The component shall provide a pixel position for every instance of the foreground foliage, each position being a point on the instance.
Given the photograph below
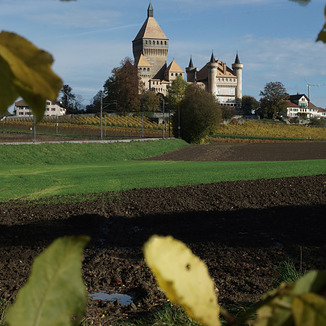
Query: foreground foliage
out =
(54, 293)
(184, 279)
(26, 71)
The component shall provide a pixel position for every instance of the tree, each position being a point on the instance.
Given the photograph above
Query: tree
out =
(273, 102)
(249, 104)
(124, 87)
(200, 115)
(95, 106)
(150, 101)
(68, 99)
(227, 112)
(176, 92)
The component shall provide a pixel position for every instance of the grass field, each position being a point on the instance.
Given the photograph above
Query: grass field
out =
(37, 171)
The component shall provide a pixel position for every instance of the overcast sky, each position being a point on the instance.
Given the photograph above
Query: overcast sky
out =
(88, 38)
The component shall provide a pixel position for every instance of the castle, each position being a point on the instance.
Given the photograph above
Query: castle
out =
(150, 50)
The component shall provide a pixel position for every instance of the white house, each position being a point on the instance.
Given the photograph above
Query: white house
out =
(22, 109)
(299, 104)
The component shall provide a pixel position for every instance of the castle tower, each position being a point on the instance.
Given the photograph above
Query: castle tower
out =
(237, 68)
(153, 44)
(212, 73)
(191, 72)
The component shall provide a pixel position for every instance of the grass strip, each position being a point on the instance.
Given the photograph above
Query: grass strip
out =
(167, 315)
(39, 181)
(86, 153)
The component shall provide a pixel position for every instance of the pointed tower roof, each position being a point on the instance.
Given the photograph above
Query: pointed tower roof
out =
(143, 62)
(150, 10)
(237, 60)
(151, 28)
(191, 65)
(174, 67)
(212, 58)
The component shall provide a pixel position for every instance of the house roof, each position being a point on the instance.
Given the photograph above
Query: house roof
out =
(143, 62)
(313, 106)
(151, 29)
(290, 104)
(21, 103)
(203, 72)
(297, 97)
(174, 67)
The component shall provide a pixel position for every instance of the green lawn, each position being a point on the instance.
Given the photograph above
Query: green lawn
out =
(37, 181)
(45, 170)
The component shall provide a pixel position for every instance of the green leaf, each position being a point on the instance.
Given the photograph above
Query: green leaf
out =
(322, 35)
(26, 71)
(54, 293)
(277, 306)
(313, 281)
(275, 309)
(309, 309)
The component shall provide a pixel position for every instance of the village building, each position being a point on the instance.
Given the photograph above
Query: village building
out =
(150, 50)
(22, 109)
(299, 105)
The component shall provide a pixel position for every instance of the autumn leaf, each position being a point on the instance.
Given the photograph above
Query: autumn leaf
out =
(183, 277)
(26, 71)
(322, 34)
(309, 309)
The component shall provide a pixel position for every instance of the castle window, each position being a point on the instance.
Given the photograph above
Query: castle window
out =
(149, 42)
(145, 42)
(147, 69)
(165, 42)
(161, 42)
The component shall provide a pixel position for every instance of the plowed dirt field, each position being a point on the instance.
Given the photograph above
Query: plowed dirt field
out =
(243, 230)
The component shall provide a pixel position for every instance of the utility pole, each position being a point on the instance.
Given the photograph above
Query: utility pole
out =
(101, 115)
(313, 85)
(163, 118)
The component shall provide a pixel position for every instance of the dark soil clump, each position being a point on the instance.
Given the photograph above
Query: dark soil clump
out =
(243, 230)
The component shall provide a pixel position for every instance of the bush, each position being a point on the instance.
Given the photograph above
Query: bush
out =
(317, 122)
(199, 114)
(227, 112)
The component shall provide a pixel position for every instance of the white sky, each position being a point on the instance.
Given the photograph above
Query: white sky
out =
(88, 38)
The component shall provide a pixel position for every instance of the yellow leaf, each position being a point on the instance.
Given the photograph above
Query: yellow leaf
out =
(322, 35)
(276, 308)
(26, 71)
(183, 277)
(309, 309)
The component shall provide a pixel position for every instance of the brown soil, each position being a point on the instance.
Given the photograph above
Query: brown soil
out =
(243, 230)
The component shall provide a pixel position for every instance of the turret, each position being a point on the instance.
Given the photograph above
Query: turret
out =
(212, 73)
(191, 72)
(237, 69)
(150, 10)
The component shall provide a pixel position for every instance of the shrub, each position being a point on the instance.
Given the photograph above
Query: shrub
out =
(200, 115)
